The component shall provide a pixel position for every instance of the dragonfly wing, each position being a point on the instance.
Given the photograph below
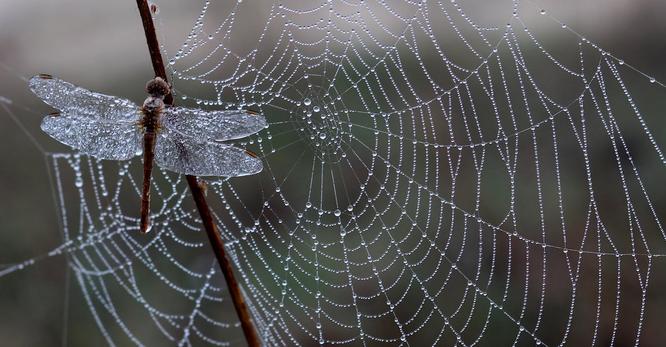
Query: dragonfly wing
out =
(213, 125)
(103, 140)
(192, 156)
(67, 97)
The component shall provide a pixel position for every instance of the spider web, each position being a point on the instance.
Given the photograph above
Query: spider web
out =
(430, 178)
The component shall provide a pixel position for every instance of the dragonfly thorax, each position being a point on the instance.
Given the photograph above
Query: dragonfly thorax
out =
(152, 111)
(153, 104)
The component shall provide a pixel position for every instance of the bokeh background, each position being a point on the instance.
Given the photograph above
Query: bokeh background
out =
(100, 45)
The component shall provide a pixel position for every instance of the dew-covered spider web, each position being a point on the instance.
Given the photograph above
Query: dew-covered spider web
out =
(433, 175)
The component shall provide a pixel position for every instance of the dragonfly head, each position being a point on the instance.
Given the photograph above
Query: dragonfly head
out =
(157, 87)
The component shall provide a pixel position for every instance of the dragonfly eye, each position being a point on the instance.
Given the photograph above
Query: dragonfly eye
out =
(158, 87)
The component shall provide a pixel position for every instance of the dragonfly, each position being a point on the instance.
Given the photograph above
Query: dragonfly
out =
(179, 139)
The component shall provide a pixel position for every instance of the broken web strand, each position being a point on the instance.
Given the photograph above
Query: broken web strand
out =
(390, 144)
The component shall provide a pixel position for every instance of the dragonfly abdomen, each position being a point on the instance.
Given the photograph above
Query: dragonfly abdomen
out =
(148, 155)
(150, 123)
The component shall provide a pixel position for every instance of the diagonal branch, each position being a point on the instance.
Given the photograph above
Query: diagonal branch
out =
(198, 195)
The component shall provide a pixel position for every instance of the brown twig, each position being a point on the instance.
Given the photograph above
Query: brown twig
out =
(216, 241)
(218, 248)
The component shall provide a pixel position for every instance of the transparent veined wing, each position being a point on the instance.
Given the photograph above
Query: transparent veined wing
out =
(193, 156)
(213, 125)
(100, 139)
(72, 99)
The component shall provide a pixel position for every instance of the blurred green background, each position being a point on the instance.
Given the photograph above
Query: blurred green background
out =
(100, 45)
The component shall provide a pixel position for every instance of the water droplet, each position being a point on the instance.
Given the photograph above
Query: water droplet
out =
(337, 213)
(322, 135)
(307, 102)
(316, 108)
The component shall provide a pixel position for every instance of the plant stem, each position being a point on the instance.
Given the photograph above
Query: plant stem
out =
(218, 248)
(153, 45)
(198, 195)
